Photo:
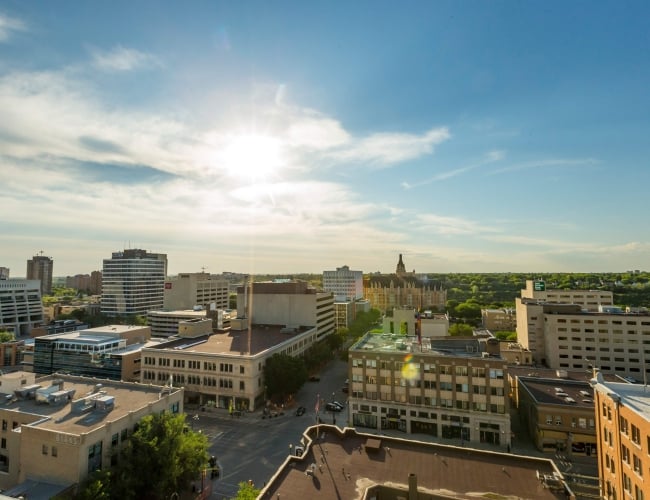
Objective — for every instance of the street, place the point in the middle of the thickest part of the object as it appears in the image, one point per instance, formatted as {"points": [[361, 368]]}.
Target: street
{"points": [[252, 448]]}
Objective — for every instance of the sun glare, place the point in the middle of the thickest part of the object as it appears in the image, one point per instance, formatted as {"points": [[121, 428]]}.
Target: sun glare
{"points": [[254, 157]]}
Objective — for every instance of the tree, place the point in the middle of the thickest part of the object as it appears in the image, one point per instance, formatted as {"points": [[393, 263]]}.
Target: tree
{"points": [[161, 457], [284, 374], [6, 336], [247, 491], [460, 329]]}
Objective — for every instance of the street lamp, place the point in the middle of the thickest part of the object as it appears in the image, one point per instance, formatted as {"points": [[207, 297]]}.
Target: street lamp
{"points": [[195, 418], [290, 449]]}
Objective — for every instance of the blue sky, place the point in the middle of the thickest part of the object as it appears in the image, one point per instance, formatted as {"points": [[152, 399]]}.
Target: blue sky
{"points": [[286, 137]]}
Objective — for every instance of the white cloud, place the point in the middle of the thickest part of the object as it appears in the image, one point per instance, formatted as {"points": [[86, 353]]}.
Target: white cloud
{"points": [[9, 25], [382, 149], [122, 59]]}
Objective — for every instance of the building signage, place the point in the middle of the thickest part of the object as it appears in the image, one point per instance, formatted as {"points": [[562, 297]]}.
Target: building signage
{"points": [[539, 286], [67, 438]]}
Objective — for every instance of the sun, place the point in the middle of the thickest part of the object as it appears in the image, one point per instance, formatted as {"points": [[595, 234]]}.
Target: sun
{"points": [[252, 157]]}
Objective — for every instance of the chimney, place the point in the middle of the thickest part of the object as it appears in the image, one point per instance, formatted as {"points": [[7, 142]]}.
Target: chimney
{"points": [[413, 486]]}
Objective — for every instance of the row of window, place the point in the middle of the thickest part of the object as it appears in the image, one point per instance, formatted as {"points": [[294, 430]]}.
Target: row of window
{"points": [[225, 383], [416, 400], [460, 371], [192, 364]]}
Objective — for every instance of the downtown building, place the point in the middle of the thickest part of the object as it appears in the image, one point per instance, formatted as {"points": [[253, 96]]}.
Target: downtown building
{"points": [[403, 289], [623, 430], [347, 287], [451, 388], [58, 429], [292, 303], [133, 283], [40, 268], [21, 308], [572, 336]]}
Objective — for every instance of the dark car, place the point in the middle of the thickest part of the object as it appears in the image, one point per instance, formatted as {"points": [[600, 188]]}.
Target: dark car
{"points": [[332, 407], [314, 378], [345, 388], [300, 411]]}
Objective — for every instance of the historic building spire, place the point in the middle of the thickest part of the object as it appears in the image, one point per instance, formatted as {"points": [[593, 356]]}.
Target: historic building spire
{"points": [[401, 268]]}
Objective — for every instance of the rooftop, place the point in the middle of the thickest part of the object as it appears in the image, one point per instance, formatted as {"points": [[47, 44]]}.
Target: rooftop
{"points": [[235, 342], [59, 417], [634, 396], [447, 346], [560, 392], [346, 464]]}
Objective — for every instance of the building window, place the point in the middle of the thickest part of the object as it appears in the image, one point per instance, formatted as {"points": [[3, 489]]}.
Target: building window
{"points": [[242, 385], [3, 443], [55, 452], [44, 449], [4, 425]]}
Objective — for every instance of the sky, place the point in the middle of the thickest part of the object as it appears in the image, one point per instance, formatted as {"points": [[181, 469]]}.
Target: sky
{"points": [[296, 137]]}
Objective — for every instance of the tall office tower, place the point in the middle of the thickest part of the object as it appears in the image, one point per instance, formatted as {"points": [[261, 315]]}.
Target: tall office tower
{"points": [[21, 308], [4, 273], [40, 267], [133, 282], [343, 283], [96, 282], [195, 289]]}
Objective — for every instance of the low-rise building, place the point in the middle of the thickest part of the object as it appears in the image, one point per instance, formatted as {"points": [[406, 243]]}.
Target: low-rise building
{"points": [[165, 323], [623, 423], [558, 414], [111, 352], [453, 388], [406, 321], [224, 370], [57, 429]]}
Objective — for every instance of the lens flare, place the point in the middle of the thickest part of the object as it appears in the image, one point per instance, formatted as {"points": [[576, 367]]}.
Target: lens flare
{"points": [[410, 370]]}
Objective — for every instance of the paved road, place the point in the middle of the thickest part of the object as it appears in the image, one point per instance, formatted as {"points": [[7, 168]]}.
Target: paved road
{"points": [[252, 448]]}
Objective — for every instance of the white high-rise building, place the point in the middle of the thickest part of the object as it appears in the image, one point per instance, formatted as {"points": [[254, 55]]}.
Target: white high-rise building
{"points": [[344, 283], [21, 308], [133, 282]]}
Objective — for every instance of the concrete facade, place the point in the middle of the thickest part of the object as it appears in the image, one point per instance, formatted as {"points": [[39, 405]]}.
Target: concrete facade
{"points": [[133, 282], [223, 370], [290, 303], [451, 388], [187, 290], [21, 308], [40, 268], [345, 284], [59, 428]]}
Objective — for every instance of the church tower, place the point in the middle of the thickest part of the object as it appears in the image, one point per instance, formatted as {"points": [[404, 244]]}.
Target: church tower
{"points": [[401, 268]]}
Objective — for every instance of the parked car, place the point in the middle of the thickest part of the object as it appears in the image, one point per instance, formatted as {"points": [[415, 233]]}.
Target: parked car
{"points": [[333, 407], [345, 388], [300, 411], [340, 405], [314, 378]]}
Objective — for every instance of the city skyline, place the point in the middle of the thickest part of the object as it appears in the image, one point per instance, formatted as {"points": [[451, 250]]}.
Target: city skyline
{"points": [[290, 138]]}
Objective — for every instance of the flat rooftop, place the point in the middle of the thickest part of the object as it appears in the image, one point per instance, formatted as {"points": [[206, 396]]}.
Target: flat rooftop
{"points": [[446, 346], [560, 392], [235, 342], [634, 396], [345, 464], [59, 417]]}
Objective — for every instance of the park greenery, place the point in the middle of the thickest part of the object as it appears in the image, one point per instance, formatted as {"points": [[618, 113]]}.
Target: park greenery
{"points": [[162, 457], [247, 491]]}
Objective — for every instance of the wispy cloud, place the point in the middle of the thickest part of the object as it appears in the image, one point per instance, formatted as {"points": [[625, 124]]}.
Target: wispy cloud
{"points": [[383, 149], [10, 25], [490, 157], [551, 162], [122, 59], [450, 225]]}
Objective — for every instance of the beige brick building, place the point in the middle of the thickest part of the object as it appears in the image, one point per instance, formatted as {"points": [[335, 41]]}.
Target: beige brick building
{"points": [[58, 428], [453, 388], [225, 369]]}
